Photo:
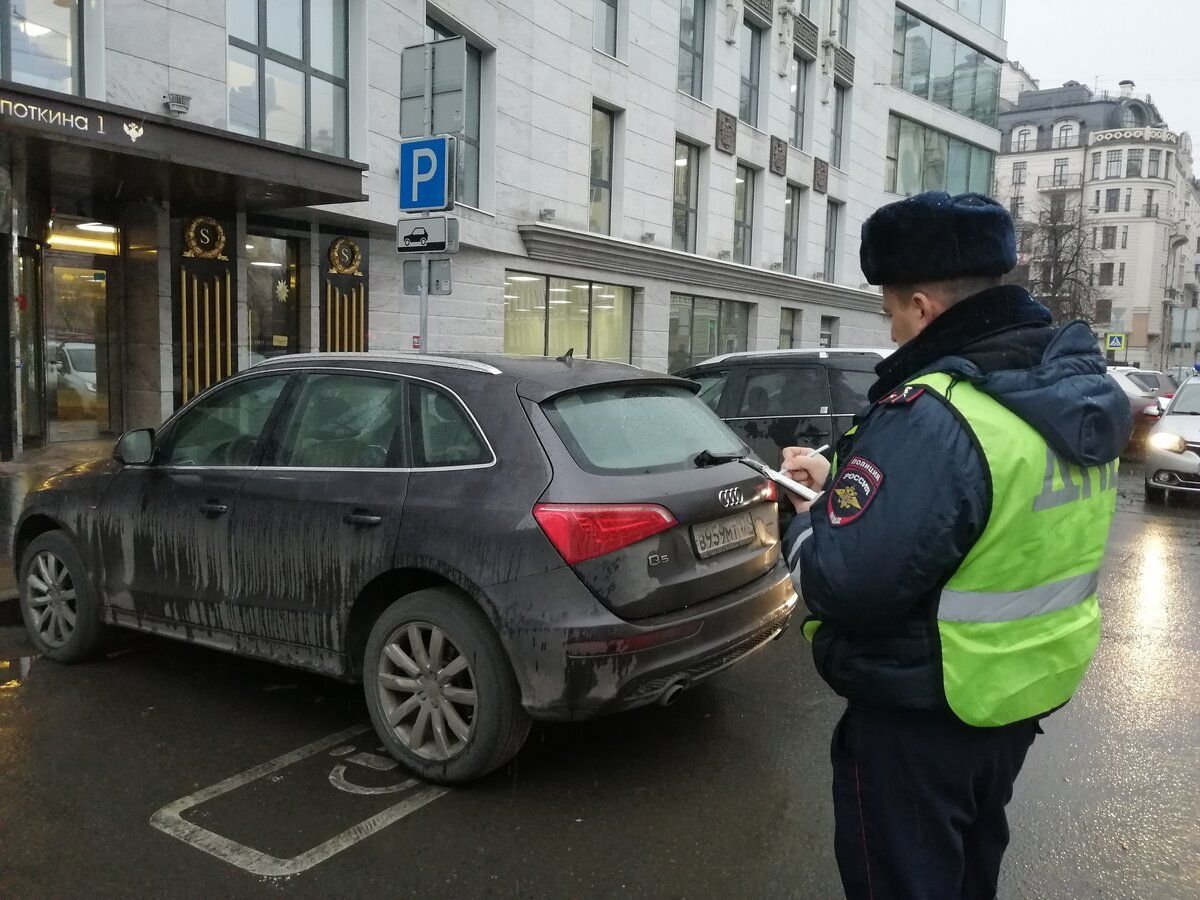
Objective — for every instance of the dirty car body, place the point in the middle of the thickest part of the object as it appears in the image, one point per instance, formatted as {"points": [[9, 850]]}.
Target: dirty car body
{"points": [[287, 508]]}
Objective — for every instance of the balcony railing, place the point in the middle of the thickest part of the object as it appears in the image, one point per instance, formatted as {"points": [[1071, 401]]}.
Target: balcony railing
{"points": [[1060, 182]]}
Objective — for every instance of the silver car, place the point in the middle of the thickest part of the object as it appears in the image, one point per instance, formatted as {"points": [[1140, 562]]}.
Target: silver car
{"points": [[1173, 447]]}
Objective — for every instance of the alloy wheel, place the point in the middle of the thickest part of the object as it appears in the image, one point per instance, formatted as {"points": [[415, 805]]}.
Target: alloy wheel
{"points": [[51, 599]]}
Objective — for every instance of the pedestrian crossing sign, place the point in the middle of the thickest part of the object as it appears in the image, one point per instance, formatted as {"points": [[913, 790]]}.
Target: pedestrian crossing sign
{"points": [[1114, 341]]}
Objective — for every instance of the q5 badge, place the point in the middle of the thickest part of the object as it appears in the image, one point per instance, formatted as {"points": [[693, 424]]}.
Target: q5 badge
{"points": [[854, 489]]}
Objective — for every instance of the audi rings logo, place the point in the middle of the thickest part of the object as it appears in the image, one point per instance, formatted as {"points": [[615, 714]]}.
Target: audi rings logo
{"points": [[731, 498]]}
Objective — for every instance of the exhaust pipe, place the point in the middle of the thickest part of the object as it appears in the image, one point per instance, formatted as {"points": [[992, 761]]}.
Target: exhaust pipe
{"points": [[671, 694]]}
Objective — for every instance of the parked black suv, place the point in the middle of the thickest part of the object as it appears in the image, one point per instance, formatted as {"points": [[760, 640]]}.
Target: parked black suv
{"points": [[786, 398], [480, 540]]}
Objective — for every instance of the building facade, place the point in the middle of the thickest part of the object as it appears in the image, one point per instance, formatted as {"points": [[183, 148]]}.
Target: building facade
{"points": [[193, 185], [1114, 167]]}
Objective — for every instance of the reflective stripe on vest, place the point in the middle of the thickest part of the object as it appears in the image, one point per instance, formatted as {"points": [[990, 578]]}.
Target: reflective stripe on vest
{"points": [[963, 606], [1019, 620]]}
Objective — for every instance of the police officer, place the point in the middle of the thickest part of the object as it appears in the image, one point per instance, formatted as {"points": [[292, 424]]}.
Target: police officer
{"points": [[951, 566]]}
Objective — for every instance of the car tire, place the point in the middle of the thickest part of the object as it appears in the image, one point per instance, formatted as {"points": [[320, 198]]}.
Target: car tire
{"points": [[1155, 496], [473, 721], [58, 603]]}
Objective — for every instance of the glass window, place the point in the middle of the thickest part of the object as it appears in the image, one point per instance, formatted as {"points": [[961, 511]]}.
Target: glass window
{"points": [[918, 45], [965, 58], [981, 170], [1125, 239], [1155, 161], [833, 225], [1109, 239], [1096, 157], [604, 26], [712, 386], [691, 46], [891, 160], [1058, 208], [911, 158], [941, 69], [1016, 206], [1019, 169], [751, 56], [225, 428], [899, 36], [743, 215], [799, 89], [991, 15], [1121, 275], [1113, 164], [442, 431], [344, 422], [273, 309], [287, 82], [786, 391], [1133, 164], [958, 168], [793, 208], [837, 137], [700, 328], [1060, 170], [848, 388], [1112, 200], [937, 149], [790, 321], [43, 44], [600, 207], [686, 196], [1106, 273], [638, 428], [549, 316], [840, 10], [1021, 144], [987, 90], [829, 331], [1066, 136]]}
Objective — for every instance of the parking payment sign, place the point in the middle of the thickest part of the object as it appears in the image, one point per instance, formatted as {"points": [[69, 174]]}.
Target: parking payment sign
{"points": [[427, 167]]}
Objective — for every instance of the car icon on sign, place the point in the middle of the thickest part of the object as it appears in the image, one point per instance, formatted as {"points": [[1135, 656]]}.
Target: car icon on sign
{"points": [[417, 236]]}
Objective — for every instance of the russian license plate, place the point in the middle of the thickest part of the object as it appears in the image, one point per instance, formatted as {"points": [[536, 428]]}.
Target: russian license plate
{"points": [[729, 533]]}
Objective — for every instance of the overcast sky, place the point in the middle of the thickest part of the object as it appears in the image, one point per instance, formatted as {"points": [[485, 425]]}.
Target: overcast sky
{"points": [[1150, 41]]}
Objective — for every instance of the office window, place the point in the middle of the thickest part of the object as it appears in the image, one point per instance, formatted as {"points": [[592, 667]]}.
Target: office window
{"points": [[41, 42], [1133, 164], [1125, 239], [1112, 200], [830, 325], [691, 46], [1121, 275], [1113, 164], [701, 327], [833, 226], [799, 87], [1018, 173], [547, 316], [839, 20], [1106, 274], [920, 158], [837, 137], [1023, 138], [600, 208], [1096, 157], [933, 64], [604, 26], [686, 198], [1109, 241], [743, 215], [793, 209], [1155, 162], [1066, 136], [470, 128], [286, 72], [751, 68], [789, 328]]}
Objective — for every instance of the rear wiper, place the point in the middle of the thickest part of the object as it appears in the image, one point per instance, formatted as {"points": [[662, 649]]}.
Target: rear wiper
{"points": [[708, 458]]}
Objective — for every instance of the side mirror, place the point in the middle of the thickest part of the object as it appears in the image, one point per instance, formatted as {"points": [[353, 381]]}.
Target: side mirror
{"points": [[1154, 412], [135, 448]]}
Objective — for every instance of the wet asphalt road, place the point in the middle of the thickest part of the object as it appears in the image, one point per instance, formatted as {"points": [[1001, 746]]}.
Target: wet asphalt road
{"points": [[723, 795]]}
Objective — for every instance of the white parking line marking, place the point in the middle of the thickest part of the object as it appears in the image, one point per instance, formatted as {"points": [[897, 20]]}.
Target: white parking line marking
{"points": [[169, 819], [374, 761]]}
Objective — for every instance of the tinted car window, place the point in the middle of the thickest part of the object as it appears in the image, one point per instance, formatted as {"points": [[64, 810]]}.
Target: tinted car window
{"points": [[849, 390], [712, 386], [343, 421], [1147, 381], [638, 428], [225, 428], [443, 434], [790, 391]]}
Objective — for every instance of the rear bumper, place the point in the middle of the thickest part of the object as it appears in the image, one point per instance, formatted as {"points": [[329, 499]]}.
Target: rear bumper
{"points": [[565, 672]]}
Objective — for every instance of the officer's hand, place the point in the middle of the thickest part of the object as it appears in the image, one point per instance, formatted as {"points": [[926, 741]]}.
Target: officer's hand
{"points": [[810, 471]]}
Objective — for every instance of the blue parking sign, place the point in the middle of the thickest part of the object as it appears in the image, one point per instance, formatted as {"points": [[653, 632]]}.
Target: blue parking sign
{"points": [[427, 174]]}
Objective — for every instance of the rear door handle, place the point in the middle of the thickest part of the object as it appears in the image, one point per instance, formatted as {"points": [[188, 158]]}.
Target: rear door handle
{"points": [[212, 508], [363, 519]]}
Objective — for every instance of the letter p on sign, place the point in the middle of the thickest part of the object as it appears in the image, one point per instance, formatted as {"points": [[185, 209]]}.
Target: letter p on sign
{"points": [[427, 168]]}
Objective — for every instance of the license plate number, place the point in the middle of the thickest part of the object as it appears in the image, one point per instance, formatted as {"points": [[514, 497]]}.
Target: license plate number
{"points": [[725, 534]]}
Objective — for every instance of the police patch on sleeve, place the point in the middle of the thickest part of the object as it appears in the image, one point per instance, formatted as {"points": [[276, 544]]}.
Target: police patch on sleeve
{"points": [[854, 489], [903, 396]]}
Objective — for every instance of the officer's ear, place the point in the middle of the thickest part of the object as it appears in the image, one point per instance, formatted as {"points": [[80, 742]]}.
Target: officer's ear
{"points": [[929, 304]]}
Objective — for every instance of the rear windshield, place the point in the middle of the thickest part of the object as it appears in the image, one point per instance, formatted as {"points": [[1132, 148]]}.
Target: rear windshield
{"points": [[1148, 381], [638, 428]]}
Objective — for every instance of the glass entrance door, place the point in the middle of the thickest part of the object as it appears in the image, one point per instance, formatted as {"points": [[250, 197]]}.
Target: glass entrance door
{"points": [[77, 357], [28, 327]]}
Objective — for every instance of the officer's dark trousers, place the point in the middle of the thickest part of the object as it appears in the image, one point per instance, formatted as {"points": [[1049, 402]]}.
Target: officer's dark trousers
{"points": [[919, 802]]}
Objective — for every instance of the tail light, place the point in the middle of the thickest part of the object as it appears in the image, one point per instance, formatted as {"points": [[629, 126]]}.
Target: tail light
{"points": [[769, 492], [582, 531]]}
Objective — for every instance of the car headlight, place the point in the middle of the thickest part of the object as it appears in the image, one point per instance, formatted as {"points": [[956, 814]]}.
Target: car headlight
{"points": [[1164, 440]]}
